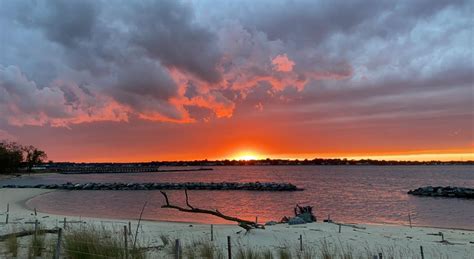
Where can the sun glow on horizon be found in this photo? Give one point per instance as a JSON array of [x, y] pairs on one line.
[[246, 156]]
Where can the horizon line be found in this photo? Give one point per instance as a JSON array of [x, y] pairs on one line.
[[465, 158]]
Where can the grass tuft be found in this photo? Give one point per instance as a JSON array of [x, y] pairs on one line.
[[284, 253], [37, 245], [93, 243], [247, 253], [267, 254], [12, 245]]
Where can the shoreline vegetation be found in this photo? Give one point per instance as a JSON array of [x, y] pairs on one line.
[[154, 165], [154, 239], [203, 165]]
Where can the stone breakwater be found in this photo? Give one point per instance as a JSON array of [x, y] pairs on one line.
[[250, 186], [439, 191]]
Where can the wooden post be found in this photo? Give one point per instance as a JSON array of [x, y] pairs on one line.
[[177, 252], [212, 232], [125, 239], [442, 236], [229, 248], [36, 228], [256, 220], [129, 228], [36, 214], [8, 213], [64, 223], [422, 254], [301, 242], [35, 235], [339, 228], [409, 219], [380, 255], [57, 252]]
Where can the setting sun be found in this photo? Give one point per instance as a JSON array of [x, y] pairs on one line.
[[238, 115], [246, 155]]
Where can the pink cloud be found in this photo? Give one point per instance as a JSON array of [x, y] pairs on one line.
[[282, 63]]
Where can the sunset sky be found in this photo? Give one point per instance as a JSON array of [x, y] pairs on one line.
[[184, 80]]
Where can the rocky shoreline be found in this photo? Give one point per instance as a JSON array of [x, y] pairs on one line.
[[249, 186], [439, 191]]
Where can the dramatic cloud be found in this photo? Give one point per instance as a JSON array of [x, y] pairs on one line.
[[60, 104], [282, 63], [65, 63]]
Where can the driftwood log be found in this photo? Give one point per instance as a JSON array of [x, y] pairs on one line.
[[246, 224]]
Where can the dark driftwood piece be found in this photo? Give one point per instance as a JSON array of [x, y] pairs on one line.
[[305, 210], [246, 224], [28, 233]]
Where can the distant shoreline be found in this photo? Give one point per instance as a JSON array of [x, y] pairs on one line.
[[200, 164]]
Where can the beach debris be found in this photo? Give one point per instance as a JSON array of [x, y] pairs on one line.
[[328, 220], [305, 213], [245, 224], [296, 221], [302, 215]]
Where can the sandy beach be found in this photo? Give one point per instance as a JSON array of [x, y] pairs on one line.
[[392, 241]]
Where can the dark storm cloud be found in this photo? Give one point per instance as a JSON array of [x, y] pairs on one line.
[[178, 60], [307, 23], [146, 79], [166, 29], [65, 22]]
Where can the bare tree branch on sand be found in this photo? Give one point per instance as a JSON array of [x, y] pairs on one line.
[[246, 224]]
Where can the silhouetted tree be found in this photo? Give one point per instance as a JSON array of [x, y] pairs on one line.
[[11, 157], [33, 156]]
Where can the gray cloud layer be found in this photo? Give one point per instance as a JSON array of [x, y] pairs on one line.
[[69, 62]]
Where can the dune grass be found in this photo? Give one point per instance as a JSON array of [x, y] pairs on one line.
[[12, 245], [36, 246], [322, 249], [88, 243]]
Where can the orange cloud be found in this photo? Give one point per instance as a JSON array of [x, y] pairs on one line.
[[282, 63]]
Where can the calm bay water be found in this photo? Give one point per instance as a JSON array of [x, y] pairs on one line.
[[351, 194]]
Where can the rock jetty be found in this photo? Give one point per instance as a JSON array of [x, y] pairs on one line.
[[439, 191], [249, 186]]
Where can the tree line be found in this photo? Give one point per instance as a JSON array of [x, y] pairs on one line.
[[14, 157]]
